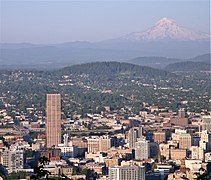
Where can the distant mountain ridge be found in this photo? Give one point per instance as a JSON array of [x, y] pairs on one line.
[[202, 58], [199, 63], [155, 62], [188, 66], [162, 62], [165, 39]]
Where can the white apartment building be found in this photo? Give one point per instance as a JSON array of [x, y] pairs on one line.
[[142, 150], [132, 172]]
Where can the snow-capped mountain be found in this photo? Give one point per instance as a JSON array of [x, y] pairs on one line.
[[166, 29]]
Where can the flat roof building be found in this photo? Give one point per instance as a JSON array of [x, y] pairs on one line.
[[53, 123]]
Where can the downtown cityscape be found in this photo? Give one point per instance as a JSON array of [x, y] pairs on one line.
[[116, 90]]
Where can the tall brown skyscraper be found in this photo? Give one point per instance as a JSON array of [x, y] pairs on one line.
[[53, 124]]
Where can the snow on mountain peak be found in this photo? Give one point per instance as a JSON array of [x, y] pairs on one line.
[[166, 29], [165, 22]]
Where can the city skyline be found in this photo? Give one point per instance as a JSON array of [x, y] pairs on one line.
[[105, 90]]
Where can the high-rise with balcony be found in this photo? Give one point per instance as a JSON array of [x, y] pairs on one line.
[[53, 123]]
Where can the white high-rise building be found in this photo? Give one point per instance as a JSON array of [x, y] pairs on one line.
[[205, 141], [113, 173], [132, 172], [142, 150]]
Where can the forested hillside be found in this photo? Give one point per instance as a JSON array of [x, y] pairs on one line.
[[118, 85]]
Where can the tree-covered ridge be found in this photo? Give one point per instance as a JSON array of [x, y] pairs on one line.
[[110, 69], [118, 85], [189, 66]]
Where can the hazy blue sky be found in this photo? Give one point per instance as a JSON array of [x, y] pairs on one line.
[[54, 21]]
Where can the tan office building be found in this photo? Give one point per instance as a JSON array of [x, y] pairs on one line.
[[159, 137], [178, 154], [185, 141], [93, 145], [53, 123], [102, 144]]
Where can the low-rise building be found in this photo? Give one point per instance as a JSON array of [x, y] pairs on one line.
[[178, 154]]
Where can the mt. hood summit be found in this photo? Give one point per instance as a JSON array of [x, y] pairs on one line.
[[166, 29]]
